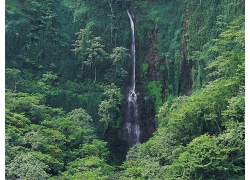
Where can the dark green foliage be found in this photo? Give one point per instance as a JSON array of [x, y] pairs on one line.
[[67, 64], [69, 100], [155, 93], [26, 166], [48, 135], [118, 70], [182, 144], [211, 157], [90, 167]]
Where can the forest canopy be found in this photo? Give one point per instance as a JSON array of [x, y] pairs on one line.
[[68, 71]]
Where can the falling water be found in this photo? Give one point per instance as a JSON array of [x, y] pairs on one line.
[[132, 92], [132, 124]]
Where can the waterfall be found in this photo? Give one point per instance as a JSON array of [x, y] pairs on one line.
[[132, 124], [132, 53]]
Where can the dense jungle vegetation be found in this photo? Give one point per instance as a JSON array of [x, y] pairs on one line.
[[67, 65]]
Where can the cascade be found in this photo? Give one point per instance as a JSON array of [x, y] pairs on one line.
[[132, 124]]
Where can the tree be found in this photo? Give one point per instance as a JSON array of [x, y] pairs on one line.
[[12, 77], [118, 57], [80, 45], [47, 81], [90, 167], [95, 53], [140, 165], [96, 148], [26, 166], [108, 110], [34, 140], [29, 105], [81, 118], [231, 48], [90, 48], [211, 157]]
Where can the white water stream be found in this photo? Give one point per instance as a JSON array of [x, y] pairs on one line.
[[132, 124]]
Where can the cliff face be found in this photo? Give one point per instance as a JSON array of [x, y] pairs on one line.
[[172, 36], [156, 63], [151, 74], [152, 54], [186, 78]]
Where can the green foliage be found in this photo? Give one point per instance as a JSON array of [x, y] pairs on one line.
[[96, 148], [236, 108], [54, 163], [209, 157], [12, 5], [208, 104], [231, 48], [30, 105], [80, 117], [90, 49], [47, 81], [90, 167], [155, 88], [144, 67], [143, 74], [57, 118], [108, 109], [12, 77], [54, 140], [26, 166], [140, 165], [117, 72], [78, 96], [182, 146]]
